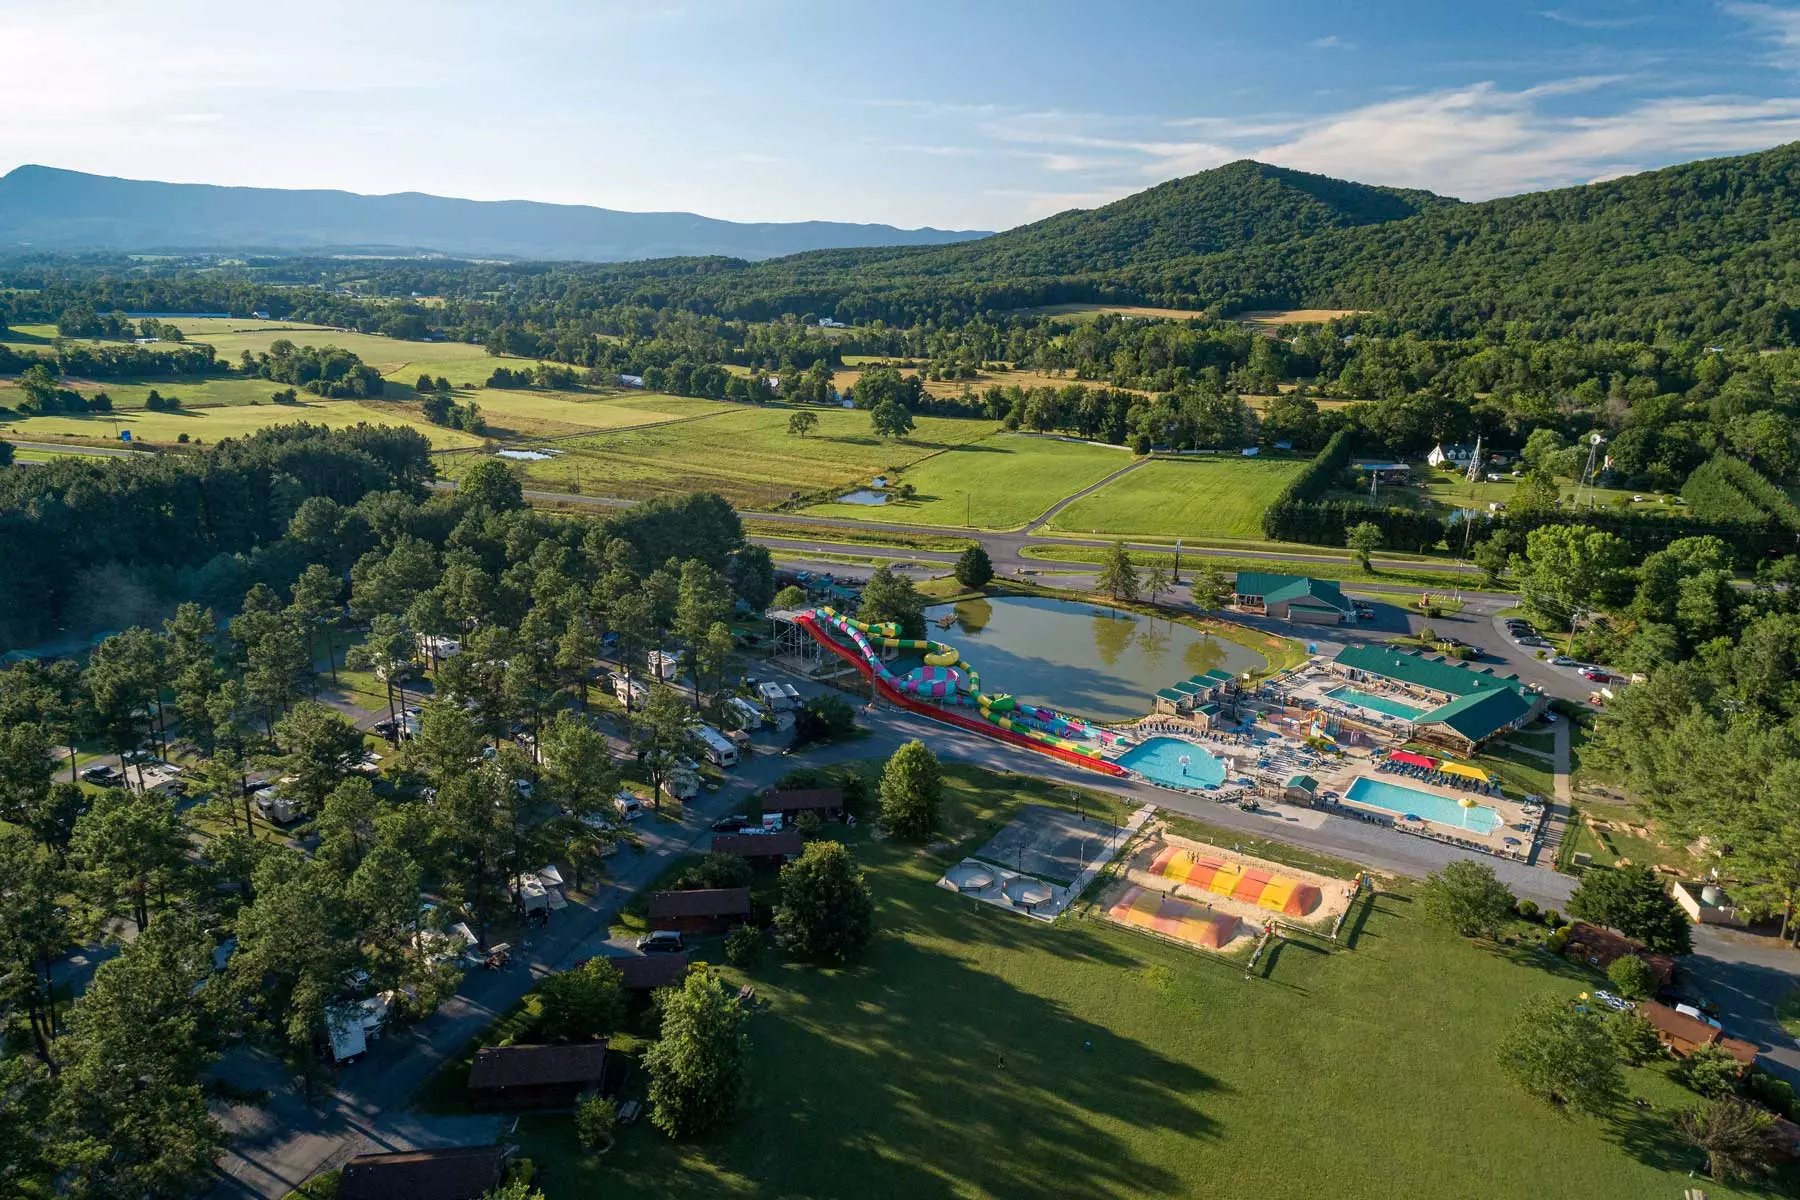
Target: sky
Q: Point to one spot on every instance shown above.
(968, 114)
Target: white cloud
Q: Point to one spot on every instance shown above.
(1563, 16)
(1776, 24)
(1330, 42)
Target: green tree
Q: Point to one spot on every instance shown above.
(595, 1119)
(1210, 590)
(1118, 577)
(130, 847)
(802, 423)
(890, 597)
(1157, 580)
(1631, 977)
(1740, 1140)
(34, 929)
(320, 750)
(663, 732)
(697, 1065)
(1363, 539)
(1563, 1056)
(1537, 494)
(491, 484)
(827, 913)
(1633, 1038)
(1467, 897)
(1569, 570)
(912, 792)
(1710, 1071)
(346, 824)
(318, 606)
(388, 652)
(890, 419)
(974, 569)
(789, 598)
(585, 1003)
(1631, 900)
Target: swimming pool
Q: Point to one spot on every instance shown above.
(1429, 805)
(1380, 704)
(1159, 760)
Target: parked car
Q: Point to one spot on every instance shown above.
(661, 941)
(732, 824)
(1536, 643)
(1563, 660)
(102, 775)
(1594, 676)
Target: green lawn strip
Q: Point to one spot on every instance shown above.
(844, 535)
(1518, 770)
(1202, 496)
(1545, 742)
(1279, 653)
(1338, 569)
(1788, 1013)
(972, 1052)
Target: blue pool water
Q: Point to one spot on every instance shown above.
(1159, 760)
(1380, 704)
(1429, 805)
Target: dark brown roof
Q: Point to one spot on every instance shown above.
(758, 845)
(456, 1173)
(646, 972)
(534, 1066)
(1606, 946)
(1738, 1048)
(703, 902)
(803, 798)
(1677, 1026)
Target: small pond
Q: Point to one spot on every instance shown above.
(863, 496)
(526, 455)
(1082, 658)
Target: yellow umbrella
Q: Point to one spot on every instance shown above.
(1475, 773)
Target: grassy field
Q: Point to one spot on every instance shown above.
(842, 535)
(1124, 310)
(846, 377)
(521, 413)
(210, 425)
(1343, 570)
(1445, 491)
(746, 455)
(1202, 497)
(1001, 482)
(974, 1053)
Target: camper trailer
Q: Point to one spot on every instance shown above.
(274, 806)
(719, 750)
(683, 780)
(664, 665)
(352, 1024)
(629, 806)
(745, 714)
(778, 696)
(629, 691)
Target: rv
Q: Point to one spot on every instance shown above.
(744, 713)
(275, 807)
(663, 665)
(683, 780)
(781, 697)
(718, 748)
(351, 1025)
(629, 691)
(629, 806)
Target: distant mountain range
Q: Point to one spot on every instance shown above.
(46, 208)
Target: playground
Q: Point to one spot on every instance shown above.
(1250, 889)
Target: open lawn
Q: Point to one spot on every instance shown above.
(1197, 497)
(1000, 482)
(1296, 316)
(974, 1053)
(1445, 491)
(846, 378)
(1124, 310)
(1341, 569)
(527, 413)
(210, 425)
(403, 361)
(746, 455)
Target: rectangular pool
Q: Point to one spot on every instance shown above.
(1159, 760)
(1380, 704)
(1398, 800)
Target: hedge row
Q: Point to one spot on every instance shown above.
(1327, 522)
(1729, 489)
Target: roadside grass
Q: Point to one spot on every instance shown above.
(844, 535)
(1201, 497)
(972, 1052)
(747, 456)
(1546, 742)
(209, 426)
(1339, 569)
(1000, 482)
(1788, 1013)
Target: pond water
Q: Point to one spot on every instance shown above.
(526, 455)
(1082, 658)
(863, 496)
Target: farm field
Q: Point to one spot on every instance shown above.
(194, 391)
(1124, 310)
(522, 413)
(745, 455)
(210, 425)
(1201, 497)
(1001, 482)
(854, 364)
(1296, 316)
(974, 1053)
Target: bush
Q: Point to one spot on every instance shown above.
(1710, 1071)
(1466, 896)
(1777, 1095)
(743, 946)
(588, 1002)
(713, 871)
(1634, 1038)
(1557, 942)
(595, 1119)
(1553, 919)
(1631, 977)
(1632, 900)
(808, 824)
(1527, 910)
(974, 568)
(827, 913)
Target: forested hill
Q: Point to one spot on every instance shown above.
(49, 209)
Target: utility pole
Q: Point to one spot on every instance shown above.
(1178, 557)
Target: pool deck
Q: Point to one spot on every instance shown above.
(1511, 810)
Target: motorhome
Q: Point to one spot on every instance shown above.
(718, 748)
(743, 713)
(781, 697)
(629, 691)
(274, 806)
(629, 806)
(664, 665)
(683, 780)
(353, 1024)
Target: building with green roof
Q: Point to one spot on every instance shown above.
(1293, 598)
(1466, 705)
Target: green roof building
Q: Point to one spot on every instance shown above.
(1293, 598)
(1468, 705)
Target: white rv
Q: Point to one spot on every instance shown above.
(274, 806)
(718, 748)
(629, 691)
(683, 780)
(664, 665)
(745, 714)
(781, 697)
(351, 1025)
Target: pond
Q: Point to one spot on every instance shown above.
(526, 455)
(1084, 659)
(863, 496)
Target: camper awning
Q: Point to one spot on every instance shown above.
(1407, 758)
(1467, 772)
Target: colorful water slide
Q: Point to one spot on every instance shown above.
(939, 688)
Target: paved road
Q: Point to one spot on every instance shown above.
(64, 448)
(1123, 471)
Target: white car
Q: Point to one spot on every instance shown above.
(1563, 660)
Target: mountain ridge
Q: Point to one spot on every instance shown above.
(50, 208)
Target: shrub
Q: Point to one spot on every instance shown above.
(1710, 1071)
(1557, 942)
(808, 824)
(974, 568)
(1631, 977)
(713, 871)
(1527, 910)
(1774, 1094)
(1553, 919)
(595, 1119)
(743, 946)
(1634, 1038)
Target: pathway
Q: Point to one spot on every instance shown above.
(1050, 512)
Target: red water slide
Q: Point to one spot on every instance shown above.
(938, 712)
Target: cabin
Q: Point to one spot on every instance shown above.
(1293, 598)
(505, 1077)
(792, 802)
(1600, 947)
(1683, 1034)
(760, 849)
(647, 972)
(701, 910)
(449, 1173)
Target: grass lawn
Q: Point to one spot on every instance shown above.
(974, 1053)
(1318, 568)
(1001, 482)
(1201, 497)
(1519, 770)
(211, 425)
(746, 455)
(891, 538)
(523, 412)
(1447, 490)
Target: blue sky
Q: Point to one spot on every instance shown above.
(913, 112)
